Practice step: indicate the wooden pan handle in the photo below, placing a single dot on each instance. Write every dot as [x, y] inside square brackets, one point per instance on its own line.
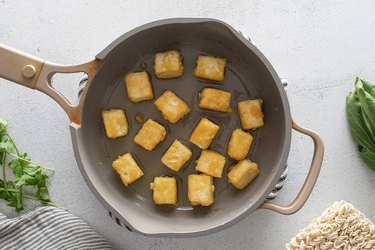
[311, 178]
[36, 73]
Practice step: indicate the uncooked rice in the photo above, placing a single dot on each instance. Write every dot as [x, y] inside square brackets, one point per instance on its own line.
[341, 226]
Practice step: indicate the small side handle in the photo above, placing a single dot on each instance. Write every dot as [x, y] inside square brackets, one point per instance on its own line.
[311, 178]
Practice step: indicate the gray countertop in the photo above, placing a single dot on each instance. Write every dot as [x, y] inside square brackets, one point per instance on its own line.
[319, 46]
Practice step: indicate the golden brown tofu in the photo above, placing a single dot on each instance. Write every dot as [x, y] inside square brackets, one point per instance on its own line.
[210, 162]
[176, 156]
[243, 173]
[200, 189]
[215, 99]
[115, 123]
[171, 106]
[251, 114]
[165, 190]
[168, 64]
[210, 67]
[239, 144]
[204, 133]
[139, 86]
[127, 168]
[150, 135]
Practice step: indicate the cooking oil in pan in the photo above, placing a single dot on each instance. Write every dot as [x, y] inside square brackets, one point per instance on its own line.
[187, 88]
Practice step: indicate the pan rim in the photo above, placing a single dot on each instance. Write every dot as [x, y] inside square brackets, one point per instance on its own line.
[152, 231]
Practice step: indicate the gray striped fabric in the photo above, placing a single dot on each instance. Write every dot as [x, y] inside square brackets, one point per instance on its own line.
[48, 228]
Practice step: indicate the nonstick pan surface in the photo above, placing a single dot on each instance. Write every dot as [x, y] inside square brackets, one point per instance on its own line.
[248, 75]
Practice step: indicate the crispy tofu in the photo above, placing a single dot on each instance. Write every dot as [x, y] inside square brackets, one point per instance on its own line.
[115, 123]
[210, 67]
[168, 64]
[204, 133]
[138, 86]
[251, 114]
[127, 168]
[165, 190]
[176, 156]
[243, 173]
[210, 162]
[200, 189]
[239, 144]
[171, 106]
[215, 99]
[150, 135]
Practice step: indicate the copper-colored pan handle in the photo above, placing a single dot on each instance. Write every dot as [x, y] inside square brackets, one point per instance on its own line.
[311, 178]
[37, 73]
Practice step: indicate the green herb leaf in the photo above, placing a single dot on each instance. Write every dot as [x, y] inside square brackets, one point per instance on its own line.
[367, 102]
[360, 107]
[6, 146]
[16, 167]
[26, 173]
[43, 194]
[2, 158]
[26, 180]
[32, 169]
[368, 86]
[3, 126]
[3, 193]
[16, 202]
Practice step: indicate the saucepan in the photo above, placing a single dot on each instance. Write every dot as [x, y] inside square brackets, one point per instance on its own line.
[248, 75]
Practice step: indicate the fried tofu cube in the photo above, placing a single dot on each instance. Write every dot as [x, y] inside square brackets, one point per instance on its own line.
[243, 173]
[115, 123]
[210, 162]
[204, 133]
[171, 106]
[176, 156]
[251, 114]
[168, 64]
[139, 86]
[127, 168]
[200, 189]
[239, 144]
[150, 135]
[215, 99]
[210, 67]
[165, 190]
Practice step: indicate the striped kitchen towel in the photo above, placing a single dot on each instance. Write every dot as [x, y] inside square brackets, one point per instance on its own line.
[48, 228]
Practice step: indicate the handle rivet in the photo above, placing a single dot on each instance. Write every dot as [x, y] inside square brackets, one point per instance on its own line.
[28, 71]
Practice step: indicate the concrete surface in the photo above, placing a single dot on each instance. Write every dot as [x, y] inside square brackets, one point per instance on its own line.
[319, 46]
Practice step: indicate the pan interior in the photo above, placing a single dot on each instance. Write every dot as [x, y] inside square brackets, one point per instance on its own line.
[246, 77]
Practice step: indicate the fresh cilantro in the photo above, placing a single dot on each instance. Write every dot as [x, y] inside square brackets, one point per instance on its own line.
[25, 172]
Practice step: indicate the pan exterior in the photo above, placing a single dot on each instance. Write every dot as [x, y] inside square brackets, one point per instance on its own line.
[252, 77]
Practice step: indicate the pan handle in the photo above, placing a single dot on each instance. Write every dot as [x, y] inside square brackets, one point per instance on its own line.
[311, 178]
[36, 73]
